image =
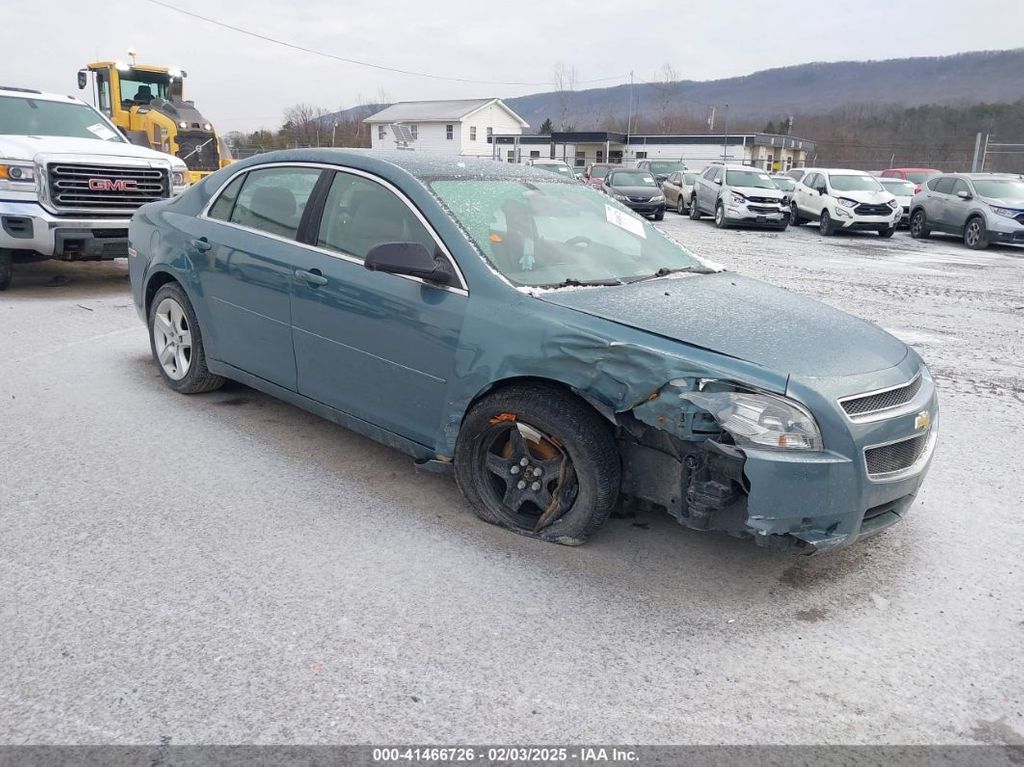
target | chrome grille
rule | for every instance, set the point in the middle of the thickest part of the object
(105, 187)
(883, 400)
(897, 456)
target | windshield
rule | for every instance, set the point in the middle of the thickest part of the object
(556, 167)
(852, 183)
(599, 171)
(1000, 188)
(897, 186)
(664, 167)
(920, 176)
(752, 178)
(784, 183)
(139, 87)
(631, 178)
(545, 234)
(37, 117)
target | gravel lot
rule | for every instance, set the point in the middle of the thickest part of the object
(226, 568)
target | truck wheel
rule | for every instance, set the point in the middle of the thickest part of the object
(539, 462)
(825, 227)
(918, 226)
(720, 221)
(177, 343)
(6, 268)
(694, 210)
(974, 234)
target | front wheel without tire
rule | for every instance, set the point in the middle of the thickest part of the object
(974, 234)
(538, 461)
(177, 343)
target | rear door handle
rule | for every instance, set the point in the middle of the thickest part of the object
(202, 244)
(314, 277)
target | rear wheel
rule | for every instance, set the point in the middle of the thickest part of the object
(538, 461)
(826, 227)
(6, 268)
(177, 343)
(919, 226)
(694, 209)
(680, 206)
(974, 234)
(720, 221)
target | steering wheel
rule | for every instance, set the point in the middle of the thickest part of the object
(579, 240)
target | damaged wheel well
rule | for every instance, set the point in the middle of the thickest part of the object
(605, 412)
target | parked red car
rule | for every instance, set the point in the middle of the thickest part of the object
(595, 173)
(916, 176)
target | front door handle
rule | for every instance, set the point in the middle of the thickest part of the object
(202, 244)
(314, 277)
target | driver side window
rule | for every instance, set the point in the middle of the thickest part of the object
(360, 214)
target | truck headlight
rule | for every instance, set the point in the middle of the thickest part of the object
(762, 421)
(179, 180)
(17, 175)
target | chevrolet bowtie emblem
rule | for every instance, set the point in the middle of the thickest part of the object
(923, 420)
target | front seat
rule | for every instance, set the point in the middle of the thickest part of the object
(272, 209)
(144, 95)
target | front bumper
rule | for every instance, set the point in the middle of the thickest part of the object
(854, 222)
(1004, 230)
(757, 215)
(28, 226)
(645, 208)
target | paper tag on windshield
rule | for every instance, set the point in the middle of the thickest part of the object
(625, 221)
(101, 131)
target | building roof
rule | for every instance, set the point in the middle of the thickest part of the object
(437, 111)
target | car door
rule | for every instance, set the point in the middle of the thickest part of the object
(246, 248)
(375, 345)
(936, 201)
(672, 188)
(707, 190)
(810, 201)
(955, 208)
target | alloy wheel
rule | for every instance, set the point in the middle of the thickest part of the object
(172, 338)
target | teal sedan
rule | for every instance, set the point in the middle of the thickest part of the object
(553, 350)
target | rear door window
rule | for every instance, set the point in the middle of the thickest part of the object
(221, 209)
(272, 199)
(960, 186)
(944, 185)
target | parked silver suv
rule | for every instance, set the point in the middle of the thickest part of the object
(982, 208)
(739, 194)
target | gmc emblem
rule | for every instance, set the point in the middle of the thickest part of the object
(112, 185)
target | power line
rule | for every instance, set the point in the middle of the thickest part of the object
(357, 62)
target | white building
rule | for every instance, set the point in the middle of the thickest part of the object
(582, 148)
(464, 127)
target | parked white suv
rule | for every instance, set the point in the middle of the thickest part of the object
(69, 181)
(844, 200)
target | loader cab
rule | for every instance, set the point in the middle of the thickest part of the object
(118, 87)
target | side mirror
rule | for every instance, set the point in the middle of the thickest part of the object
(410, 258)
(964, 195)
(718, 181)
(83, 79)
(821, 191)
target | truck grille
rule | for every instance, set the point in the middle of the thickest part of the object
(883, 400)
(198, 149)
(105, 187)
(888, 459)
(873, 210)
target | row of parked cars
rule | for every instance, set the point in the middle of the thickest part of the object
(980, 208)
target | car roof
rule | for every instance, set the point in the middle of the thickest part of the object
(425, 166)
(914, 169)
(28, 93)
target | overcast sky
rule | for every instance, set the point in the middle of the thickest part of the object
(241, 83)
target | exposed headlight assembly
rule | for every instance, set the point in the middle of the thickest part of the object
(762, 421)
(737, 199)
(846, 202)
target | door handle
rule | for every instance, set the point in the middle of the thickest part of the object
(202, 244)
(314, 277)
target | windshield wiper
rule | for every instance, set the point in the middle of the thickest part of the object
(665, 271)
(572, 282)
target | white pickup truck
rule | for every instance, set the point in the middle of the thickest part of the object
(69, 181)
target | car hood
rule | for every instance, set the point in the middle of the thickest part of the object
(871, 198)
(27, 147)
(757, 191)
(1004, 202)
(637, 191)
(746, 319)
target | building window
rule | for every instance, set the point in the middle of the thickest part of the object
(449, 132)
(511, 155)
(600, 155)
(472, 133)
(534, 153)
(770, 164)
(415, 131)
(789, 162)
(641, 155)
(581, 158)
(381, 130)
(490, 135)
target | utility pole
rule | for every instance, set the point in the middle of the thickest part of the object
(629, 120)
(977, 153)
(725, 141)
(711, 120)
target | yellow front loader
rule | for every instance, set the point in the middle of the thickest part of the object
(147, 103)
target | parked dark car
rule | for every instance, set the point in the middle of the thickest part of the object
(661, 169)
(637, 190)
(553, 349)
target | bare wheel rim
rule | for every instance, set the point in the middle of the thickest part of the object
(172, 339)
(528, 475)
(973, 233)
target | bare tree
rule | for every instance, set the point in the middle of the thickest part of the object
(667, 90)
(564, 80)
(304, 125)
